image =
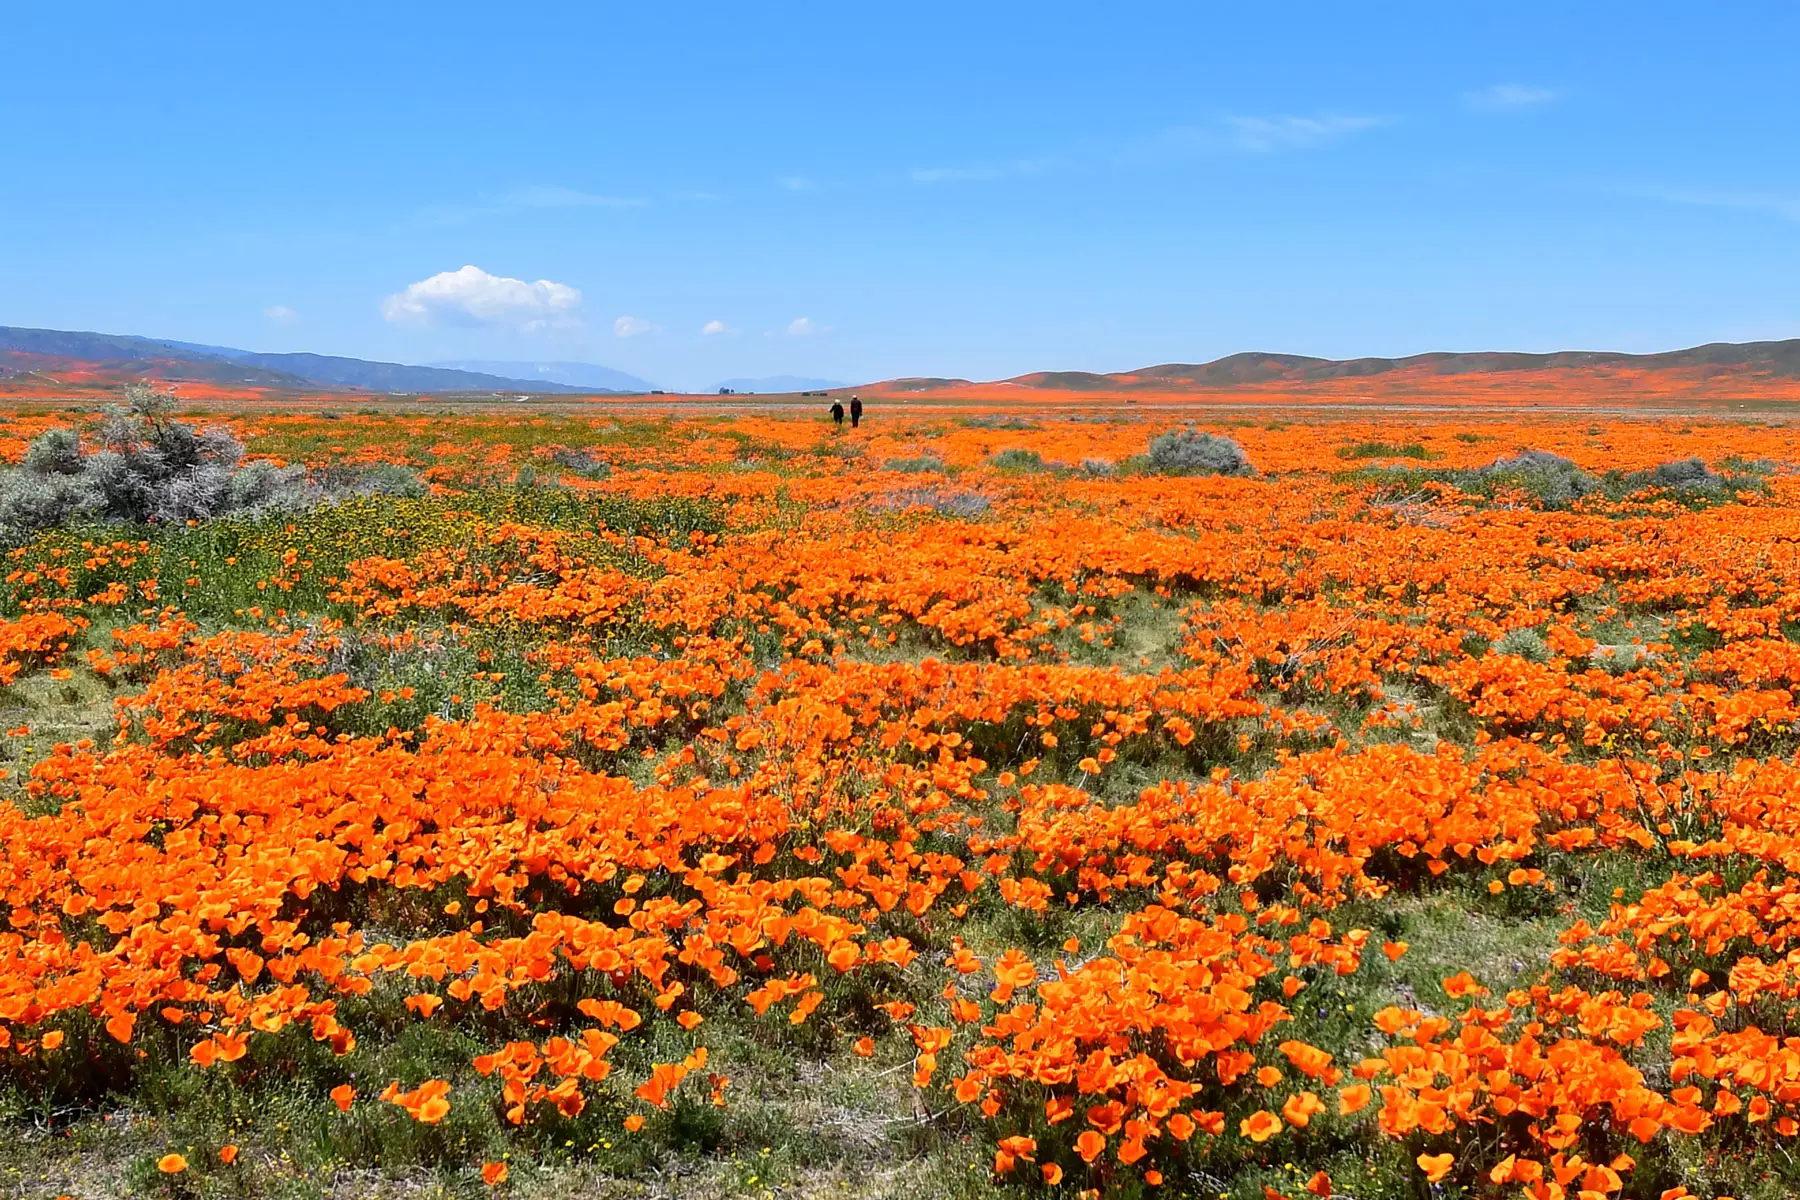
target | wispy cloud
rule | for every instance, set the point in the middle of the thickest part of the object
(1267, 135)
(804, 327)
(1219, 136)
(1508, 97)
(1241, 135)
(1249, 135)
(1785, 205)
(982, 173)
(562, 197)
(471, 297)
(714, 328)
(629, 327)
(536, 198)
(281, 314)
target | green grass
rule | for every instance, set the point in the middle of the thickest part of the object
(1016, 461)
(1383, 450)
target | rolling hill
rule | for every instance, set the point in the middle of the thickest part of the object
(40, 361)
(1769, 359)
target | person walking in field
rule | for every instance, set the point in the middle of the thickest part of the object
(855, 411)
(837, 413)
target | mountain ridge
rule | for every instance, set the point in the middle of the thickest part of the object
(98, 359)
(132, 356)
(1248, 368)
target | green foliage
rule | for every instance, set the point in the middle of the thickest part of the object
(581, 462)
(1555, 482)
(1019, 461)
(144, 467)
(1527, 644)
(923, 465)
(946, 502)
(1383, 450)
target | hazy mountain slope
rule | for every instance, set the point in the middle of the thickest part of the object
(130, 357)
(584, 375)
(395, 377)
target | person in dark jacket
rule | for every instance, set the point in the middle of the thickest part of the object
(837, 412)
(855, 411)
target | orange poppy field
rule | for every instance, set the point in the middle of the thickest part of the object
(722, 803)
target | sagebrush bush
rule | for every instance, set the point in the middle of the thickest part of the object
(1553, 479)
(1527, 644)
(32, 501)
(1689, 477)
(55, 452)
(389, 479)
(943, 501)
(580, 462)
(1191, 452)
(1556, 482)
(1618, 659)
(148, 467)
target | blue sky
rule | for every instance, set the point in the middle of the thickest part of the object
(858, 191)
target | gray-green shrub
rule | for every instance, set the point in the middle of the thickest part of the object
(1020, 460)
(1192, 452)
(145, 467)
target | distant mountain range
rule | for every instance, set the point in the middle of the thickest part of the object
(771, 384)
(113, 358)
(55, 358)
(586, 376)
(1778, 359)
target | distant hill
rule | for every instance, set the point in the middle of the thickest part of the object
(772, 384)
(392, 377)
(60, 359)
(1768, 359)
(921, 383)
(103, 356)
(587, 376)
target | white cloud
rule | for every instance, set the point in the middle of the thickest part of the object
(630, 326)
(281, 314)
(472, 297)
(802, 326)
(714, 327)
(1508, 97)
